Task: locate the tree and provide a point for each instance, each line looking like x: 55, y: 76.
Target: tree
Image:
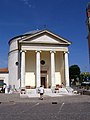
x: 85, y: 76
x: 74, y: 72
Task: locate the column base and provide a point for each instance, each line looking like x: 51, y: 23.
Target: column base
x: 23, y: 90
x: 37, y: 89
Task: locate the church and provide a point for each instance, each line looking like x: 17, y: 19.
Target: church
x: 37, y: 58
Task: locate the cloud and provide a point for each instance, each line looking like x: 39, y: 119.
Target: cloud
x: 26, y: 2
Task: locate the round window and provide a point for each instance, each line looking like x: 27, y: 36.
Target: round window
x: 16, y: 63
x: 42, y: 62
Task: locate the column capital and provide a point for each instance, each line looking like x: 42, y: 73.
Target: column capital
x: 66, y: 52
x: 38, y: 51
x: 23, y: 51
x: 52, y: 51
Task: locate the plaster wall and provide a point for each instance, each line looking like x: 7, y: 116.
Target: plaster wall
x: 13, y: 45
x: 30, y: 68
x: 14, y: 82
x: 44, y: 39
x: 45, y: 55
x: 59, y: 68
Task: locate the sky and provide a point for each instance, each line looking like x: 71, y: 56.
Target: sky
x: 66, y: 18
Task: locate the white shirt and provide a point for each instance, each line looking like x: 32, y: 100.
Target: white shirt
x: 41, y: 89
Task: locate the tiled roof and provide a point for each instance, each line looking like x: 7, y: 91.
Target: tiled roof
x: 26, y: 34
x: 3, y: 70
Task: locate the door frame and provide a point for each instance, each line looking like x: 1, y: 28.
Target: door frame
x: 44, y: 74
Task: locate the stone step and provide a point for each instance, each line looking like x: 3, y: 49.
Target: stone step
x: 48, y: 92
x: 61, y: 90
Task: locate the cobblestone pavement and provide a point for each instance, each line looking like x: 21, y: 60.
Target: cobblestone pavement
x: 12, y: 107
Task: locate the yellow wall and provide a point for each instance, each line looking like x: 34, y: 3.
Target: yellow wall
x: 30, y: 68
x: 59, y: 68
x: 45, y: 55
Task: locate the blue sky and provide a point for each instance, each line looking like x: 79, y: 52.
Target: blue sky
x: 66, y: 18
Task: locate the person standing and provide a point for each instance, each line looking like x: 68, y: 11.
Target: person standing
x: 41, y: 91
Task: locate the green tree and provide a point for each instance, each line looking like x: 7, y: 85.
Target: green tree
x: 85, y: 76
x: 74, y: 72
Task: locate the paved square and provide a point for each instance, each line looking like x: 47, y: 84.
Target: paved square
x: 59, y: 108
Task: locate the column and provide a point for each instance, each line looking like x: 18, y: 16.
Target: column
x: 52, y: 68
x: 66, y: 69
x: 38, y: 82
x: 22, y: 69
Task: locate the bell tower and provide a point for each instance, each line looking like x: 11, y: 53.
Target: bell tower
x: 88, y: 26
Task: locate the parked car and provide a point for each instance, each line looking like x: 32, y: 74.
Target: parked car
x: 85, y: 84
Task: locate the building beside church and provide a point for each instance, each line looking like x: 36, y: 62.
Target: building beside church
x: 3, y: 77
x: 38, y: 58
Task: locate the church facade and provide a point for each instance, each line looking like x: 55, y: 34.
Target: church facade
x: 38, y: 58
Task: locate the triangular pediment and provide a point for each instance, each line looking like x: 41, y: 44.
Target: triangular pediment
x: 44, y: 37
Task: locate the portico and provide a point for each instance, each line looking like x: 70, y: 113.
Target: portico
x: 43, y: 60
x: 44, y: 74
